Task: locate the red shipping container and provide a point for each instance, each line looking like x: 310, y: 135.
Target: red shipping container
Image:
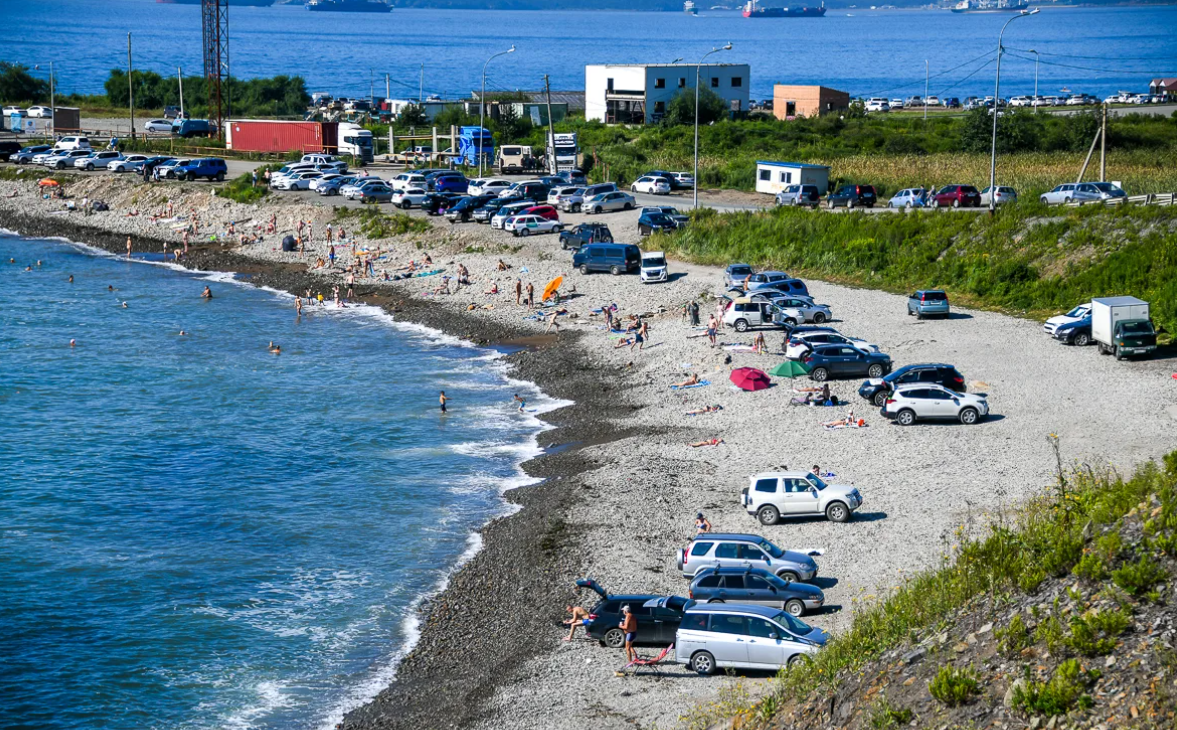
x: 262, y: 135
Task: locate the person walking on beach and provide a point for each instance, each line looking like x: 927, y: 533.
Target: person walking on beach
x: 552, y: 322
x: 629, y: 624
x: 298, y: 306
x: 530, y: 295
x: 639, y: 338
x: 520, y: 401
x: 711, y: 330
x: 518, y: 290
x: 128, y: 247
x: 441, y: 399
x: 331, y: 255
x: 351, y: 283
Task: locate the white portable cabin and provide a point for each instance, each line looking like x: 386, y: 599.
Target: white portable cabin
x: 773, y: 177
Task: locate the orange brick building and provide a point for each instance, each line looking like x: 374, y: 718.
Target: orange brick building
x: 806, y: 101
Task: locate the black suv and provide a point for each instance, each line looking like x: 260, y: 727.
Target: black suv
x: 852, y: 196
x: 577, y: 236
x: 657, y: 622
x: 464, y: 208
x: 438, y: 203
x: 834, y: 361
x: 756, y: 586
x: 877, y: 390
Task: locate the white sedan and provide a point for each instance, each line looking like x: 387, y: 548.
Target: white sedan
x: 650, y: 185
x: 298, y: 181
x: 40, y: 112
x: 407, y: 180
x: 408, y: 197
x: 158, y: 125
x: 927, y: 401
x: 97, y: 160
x: 488, y: 186
x: 129, y: 163
x: 525, y: 225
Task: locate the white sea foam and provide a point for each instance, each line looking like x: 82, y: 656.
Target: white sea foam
x: 270, y: 697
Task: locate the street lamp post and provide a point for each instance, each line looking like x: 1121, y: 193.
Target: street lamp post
x: 997, y: 112
x: 482, y: 103
x: 52, y: 101
x: 1035, y: 77
x: 698, y: 70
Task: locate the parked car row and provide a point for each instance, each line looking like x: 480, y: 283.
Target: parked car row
x: 1116, y: 325
x: 883, y: 104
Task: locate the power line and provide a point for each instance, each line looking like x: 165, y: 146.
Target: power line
x: 976, y: 71
x: 1081, y: 68
x: 933, y: 76
x: 1096, y: 58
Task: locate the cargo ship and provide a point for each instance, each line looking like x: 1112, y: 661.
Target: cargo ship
x: 349, y: 6
x: 234, y: 3
x: 690, y: 8
x: 990, y: 6
x: 751, y: 11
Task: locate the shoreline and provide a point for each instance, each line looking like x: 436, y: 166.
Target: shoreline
x: 427, y: 682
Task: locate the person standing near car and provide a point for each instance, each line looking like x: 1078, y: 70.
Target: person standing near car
x: 629, y: 624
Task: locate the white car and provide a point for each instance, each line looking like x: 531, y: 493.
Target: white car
x: 559, y: 194
x: 1077, y: 314
x: 1061, y: 194
x: 98, y: 160
x: 40, y: 112
x: 407, y: 180
x: 772, y: 495
x: 896, y: 103
x: 325, y: 161
x: 297, y: 181
x: 933, y: 101
x: 1005, y: 194
x: 1076, y: 100
x: 327, y: 177
x: 487, y: 186
x: 404, y: 197
x: 64, y: 158
x: 654, y: 267
x: 12, y: 110
x: 913, y: 402
x: 650, y: 185
x: 525, y: 225
x: 802, y: 342
x: 511, y: 190
x: 1021, y: 101
x: 499, y: 219
x: 163, y: 126
x: 878, y: 105
x: 129, y: 163
x: 359, y: 183
x: 167, y: 170
x: 72, y: 143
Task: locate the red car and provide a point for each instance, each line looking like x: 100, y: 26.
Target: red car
x: 956, y: 196
x: 546, y: 212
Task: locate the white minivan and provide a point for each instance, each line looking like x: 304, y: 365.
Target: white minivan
x: 720, y: 635
x: 654, y: 267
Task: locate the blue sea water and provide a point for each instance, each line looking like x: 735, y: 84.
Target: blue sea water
x: 863, y: 51
x: 195, y: 533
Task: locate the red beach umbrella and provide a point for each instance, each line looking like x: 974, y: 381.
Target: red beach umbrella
x: 750, y: 379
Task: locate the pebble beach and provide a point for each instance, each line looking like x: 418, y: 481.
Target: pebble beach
x: 622, y: 483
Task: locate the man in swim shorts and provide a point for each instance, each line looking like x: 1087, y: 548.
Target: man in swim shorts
x: 629, y: 624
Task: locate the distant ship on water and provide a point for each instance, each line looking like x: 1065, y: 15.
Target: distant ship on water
x: 990, y: 6
x: 690, y: 8
x: 751, y: 11
x: 235, y: 3
x: 349, y: 6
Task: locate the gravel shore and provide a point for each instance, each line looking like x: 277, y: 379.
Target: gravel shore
x: 622, y: 491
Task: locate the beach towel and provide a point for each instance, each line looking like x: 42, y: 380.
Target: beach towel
x: 739, y: 348
x: 428, y: 273
x: 840, y: 426
x: 700, y: 384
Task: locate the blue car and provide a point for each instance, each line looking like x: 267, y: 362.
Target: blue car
x: 450, y: 184
x: 212, y: 168
x: 928, y: 303
x: 1076, y: 333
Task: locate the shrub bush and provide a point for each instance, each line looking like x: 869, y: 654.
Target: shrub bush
x: 954, y: 686
x: 1065, y: 690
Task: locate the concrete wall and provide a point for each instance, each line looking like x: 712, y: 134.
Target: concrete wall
x: 675, y: 79
x: 808, y: 101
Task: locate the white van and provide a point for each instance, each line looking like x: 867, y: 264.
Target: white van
x: 654, y: 267
x: 721, y: 635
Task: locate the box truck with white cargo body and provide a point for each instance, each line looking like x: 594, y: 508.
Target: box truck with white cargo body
x: 566, y: 151
x: 356, y: 141
x: 1121, y: 326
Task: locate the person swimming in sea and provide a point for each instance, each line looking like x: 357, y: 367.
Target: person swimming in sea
x: 442, y: 400
x: 275, y: 349
x: 207, y: 293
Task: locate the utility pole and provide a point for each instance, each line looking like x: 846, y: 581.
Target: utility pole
x: 52, y: 105
x: 551, y: 129
x: 997, y: 111
x: 1103, y: 146
x: 387, y: 87
x: 927, y: 78
x: 421, y: 88
x: 131, y: 87
x: 180, y: 79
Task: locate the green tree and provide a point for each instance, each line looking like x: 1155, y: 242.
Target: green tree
x: 681, y: 109
x: 1017, y: 131
x: 18, y: 85
x: 510, y: 127
x: 1078, y: 130
x: 412, y: 116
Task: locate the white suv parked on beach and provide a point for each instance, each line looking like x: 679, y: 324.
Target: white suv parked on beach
x: 776, y: 494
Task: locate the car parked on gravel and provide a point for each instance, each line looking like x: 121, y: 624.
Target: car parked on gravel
x: 852, y: 196
x: 403, y: 198
x: 744, y: 314
x: 437, y: 203
x: 795, y: 287
x: 162, y: 126
x: 845, y: 361
x: 680, y: 219
x: 1076, y: 333
x: 650, y: 223
x: 526, y: 225
x: 928, y: 303
x: 798, y: 195
x: 789, y: 311
x: 8, y: 148
x: 332, y: 186
x: 743, y: 550
x: 508, y: 211
x: 651, y: 186
x: 654, y: 268
x: 956, y: 196
x: 909, y: 198
x: 770, y: 496
x: 757, y: 587
x: 26, y: 154
x: 488, y: 211
x: 1005, y: 194
x: 295, y: 181
x: 98, y: 160
x: 711, y: 638
x: 658, y: 616
x: 128, y: 163
x: 764, y: 280
x: 61, y: 159
x: 557, y: 194
x: 921, y: 401
x: 802, y: 339
x: 463, y: 210
x: 877, y: 390
x: 407, y: 180
x: 616, y: 258
x: 167, y: 170
x: 378, y: 193
x: 1078, y: 315
x: 210, y: 168
x: 608, y: 202
x: 487, y: 185
x: 734, y: 274
x: 579, y: 235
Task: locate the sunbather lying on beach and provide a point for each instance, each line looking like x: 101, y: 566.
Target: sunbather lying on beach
x: 624, y: 342
x: 692, y: 380
x: 708, y: 442
x: 849, y: 420
x: 705, y: 409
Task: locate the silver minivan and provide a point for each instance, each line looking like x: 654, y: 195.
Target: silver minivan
x: 718, y: 636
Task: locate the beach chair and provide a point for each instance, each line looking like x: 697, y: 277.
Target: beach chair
x: 653, y: 662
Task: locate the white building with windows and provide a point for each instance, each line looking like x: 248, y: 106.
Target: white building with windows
x: 635, y: 93
x: 773, y: 177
